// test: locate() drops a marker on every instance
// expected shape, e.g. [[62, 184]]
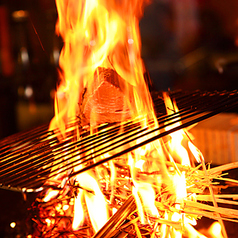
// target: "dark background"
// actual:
[[186, 44]]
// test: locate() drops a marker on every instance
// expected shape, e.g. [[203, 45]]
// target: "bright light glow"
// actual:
[[13, 224], [24, 56], [215, 230], [28, 91], [65, 207], [96, 204], [78, 211], [196, 152], [51, 194], [48, 221], [130, 41]]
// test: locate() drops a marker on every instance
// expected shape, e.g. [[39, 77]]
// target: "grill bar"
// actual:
[[46, 158], [28, 159], [45, 150]]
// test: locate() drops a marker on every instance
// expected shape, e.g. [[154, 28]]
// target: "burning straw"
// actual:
[[138, 182], [55, 217]]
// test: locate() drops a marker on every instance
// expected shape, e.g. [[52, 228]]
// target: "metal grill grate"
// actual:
[[28, 159]]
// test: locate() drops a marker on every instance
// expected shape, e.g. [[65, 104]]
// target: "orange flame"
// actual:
[[99, 34], [101, 37]]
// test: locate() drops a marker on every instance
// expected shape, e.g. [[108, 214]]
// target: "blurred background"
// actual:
[[186, 44]]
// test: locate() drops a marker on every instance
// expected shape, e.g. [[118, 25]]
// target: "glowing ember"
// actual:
[[102, 81]]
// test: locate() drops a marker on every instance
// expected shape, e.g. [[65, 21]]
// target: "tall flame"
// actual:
[[101, 41], [99, 34]]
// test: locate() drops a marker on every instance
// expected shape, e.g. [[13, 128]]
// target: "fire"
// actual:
[[95, 202], [101, 60], [100, 36]]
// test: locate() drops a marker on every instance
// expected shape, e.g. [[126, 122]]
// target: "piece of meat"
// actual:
[[106, 102]]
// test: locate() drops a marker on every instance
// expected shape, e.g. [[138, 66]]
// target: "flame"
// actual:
[[99, 35], [215, 230], [102, 47], [94, 200]]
